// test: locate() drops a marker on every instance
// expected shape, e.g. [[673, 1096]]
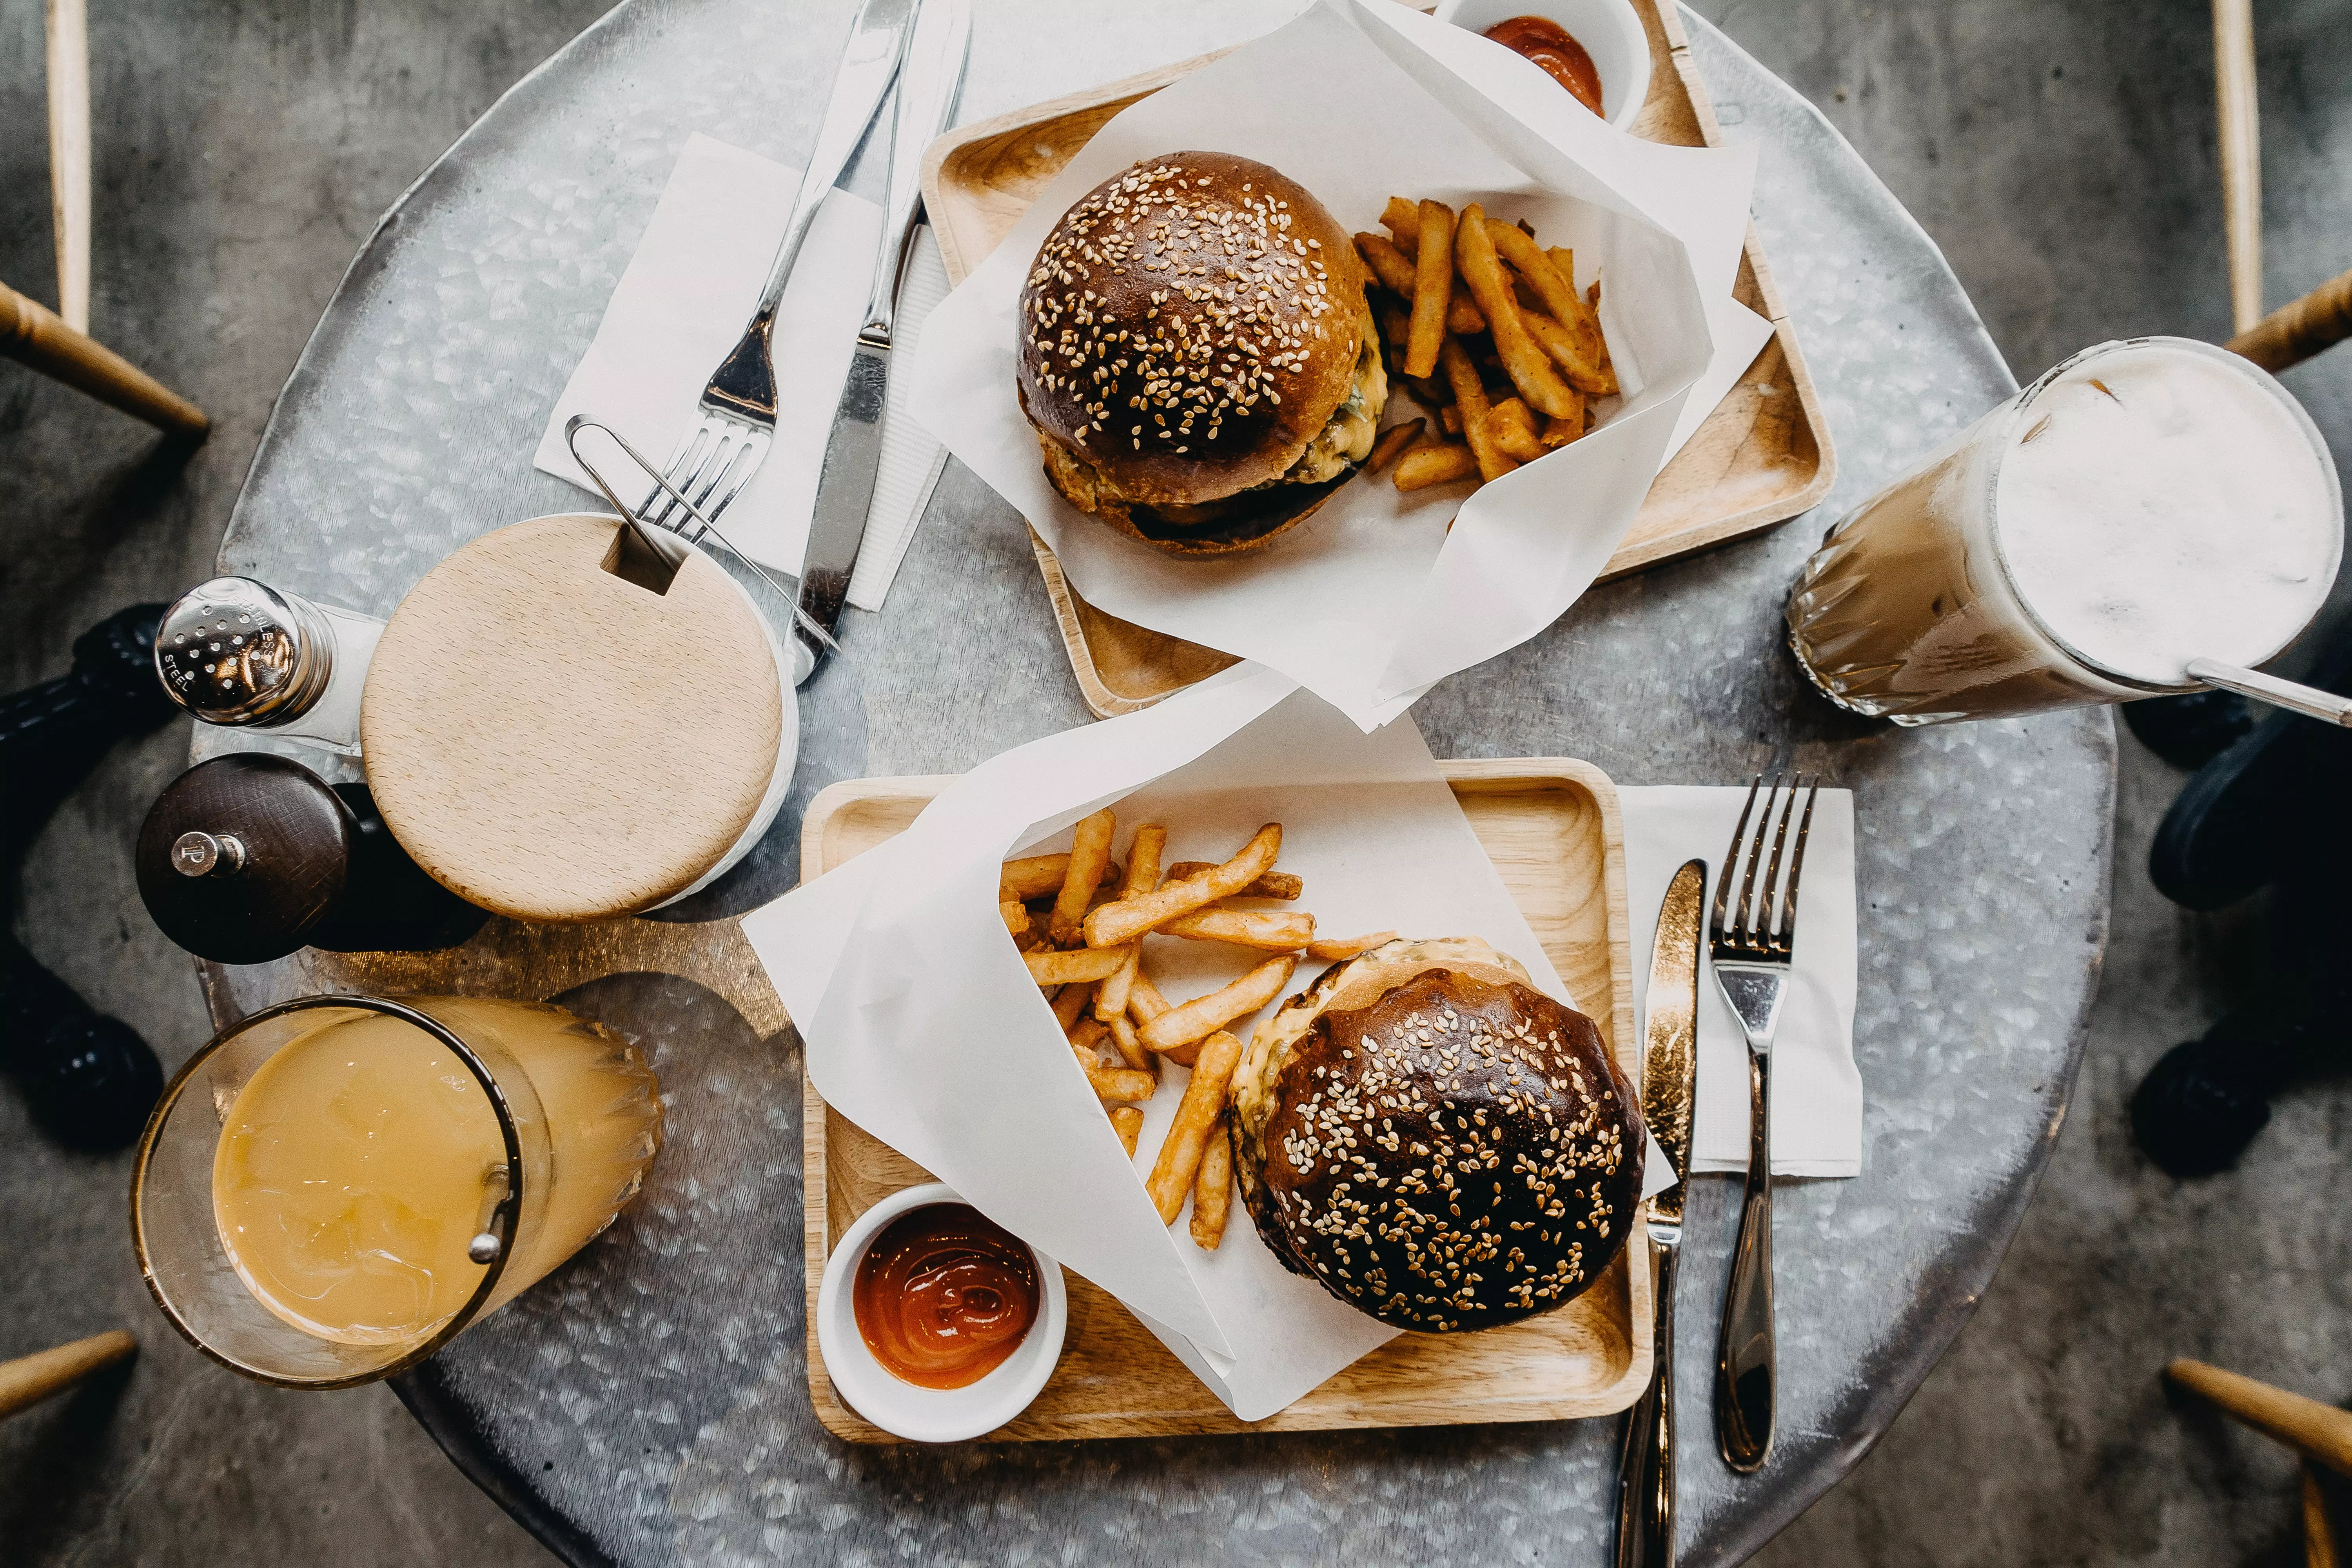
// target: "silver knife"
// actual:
[[928, 78], [1646, 1476]]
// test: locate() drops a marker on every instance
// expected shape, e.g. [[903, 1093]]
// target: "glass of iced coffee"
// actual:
[[2143, 505]]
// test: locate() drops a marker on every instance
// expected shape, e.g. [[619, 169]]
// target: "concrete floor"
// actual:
[[2062, 156]]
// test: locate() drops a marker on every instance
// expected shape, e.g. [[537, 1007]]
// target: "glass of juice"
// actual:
[[2144, 503], [333, 1188]]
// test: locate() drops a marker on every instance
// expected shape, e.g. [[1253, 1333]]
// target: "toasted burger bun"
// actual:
[[1197, 356], [1435, 1142]]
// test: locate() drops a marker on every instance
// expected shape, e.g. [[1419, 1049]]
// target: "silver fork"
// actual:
[[1749, 952], [720, 453]]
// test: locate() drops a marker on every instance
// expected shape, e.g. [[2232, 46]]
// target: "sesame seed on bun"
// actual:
[[1197, 356]]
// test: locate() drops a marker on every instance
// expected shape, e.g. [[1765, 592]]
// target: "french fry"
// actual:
[[1394, 267], [1470, 393], [1109, 1083], [1436, 464], [1022, 880], [1565, 260], [1016, 918], [1128, 1123], [1449, 418], [1394, 440], [1089, 858], [1179, 1161], [1432, 288], [1117, 1083], [1212, 1189], [1084, 963], [1568, 350], [1143, 860], [1069, 1003], [1558, 293], [1391, 267], [1396, 331], [1287, 931], [1337, 949], [1130, 918], [1203, 1015], [1144, 1003], [1403, 219], [1559, 432], [1529, 366], [1110, 999], [1512, 429], [1131, 1050], [1273, 885]]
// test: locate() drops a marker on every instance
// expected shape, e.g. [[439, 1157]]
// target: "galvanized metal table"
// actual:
[[647, 1405]]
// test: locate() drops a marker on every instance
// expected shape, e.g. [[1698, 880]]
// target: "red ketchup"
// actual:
[[944, 1295], [1547, 43]]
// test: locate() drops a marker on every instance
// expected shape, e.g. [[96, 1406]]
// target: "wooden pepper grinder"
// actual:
[[248, 857]]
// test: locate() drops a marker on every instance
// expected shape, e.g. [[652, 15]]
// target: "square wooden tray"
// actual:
[[1550, 825], [1762, 457]]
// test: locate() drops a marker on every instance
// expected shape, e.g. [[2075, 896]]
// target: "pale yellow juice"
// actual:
[[358, 1161]]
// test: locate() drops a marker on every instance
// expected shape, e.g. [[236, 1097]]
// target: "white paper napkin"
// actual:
[[1816, 1089], [922, 1026], [1374, 600], [681, 306]]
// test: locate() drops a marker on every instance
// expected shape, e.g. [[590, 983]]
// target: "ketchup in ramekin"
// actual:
[[944, 1295], [1551, 46]]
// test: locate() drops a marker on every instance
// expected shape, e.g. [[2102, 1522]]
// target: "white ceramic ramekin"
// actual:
[[929, 1414], [1609, 30]]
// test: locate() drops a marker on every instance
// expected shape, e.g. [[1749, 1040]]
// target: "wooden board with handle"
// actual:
[[1763, 455], [1551, 826]]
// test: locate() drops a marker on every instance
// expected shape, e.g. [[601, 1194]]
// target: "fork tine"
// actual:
[[1764, 921], [1716, 927], [1786, 941], [722, 487], [730, 485], [683, 460], [1744, 932], [708, 444]]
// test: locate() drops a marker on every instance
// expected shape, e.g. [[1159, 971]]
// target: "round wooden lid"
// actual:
[[555, 743]]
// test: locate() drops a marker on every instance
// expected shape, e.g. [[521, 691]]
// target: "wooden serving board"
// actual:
[[1762, 456], [1550, 825]]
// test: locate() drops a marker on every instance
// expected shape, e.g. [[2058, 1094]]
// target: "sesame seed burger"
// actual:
[[1435, 1142], [1197, 356]]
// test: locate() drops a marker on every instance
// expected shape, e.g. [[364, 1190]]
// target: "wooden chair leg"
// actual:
[[2241, 156], [32, 333], [2318, 1529], [28, 1380], [2320, 1433], [68, 31], [2293, 334]]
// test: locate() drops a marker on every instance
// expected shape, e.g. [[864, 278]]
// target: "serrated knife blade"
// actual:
[[1645, 1472], [1670, 1032], [929, 77]]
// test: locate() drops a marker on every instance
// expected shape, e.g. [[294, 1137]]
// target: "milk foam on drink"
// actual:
[[2159, 505]]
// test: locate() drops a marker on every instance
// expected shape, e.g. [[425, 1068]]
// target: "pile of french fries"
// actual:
[[1488, 332], [1081, 922]]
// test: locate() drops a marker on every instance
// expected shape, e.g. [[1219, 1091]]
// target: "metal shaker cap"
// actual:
[[235, 651]]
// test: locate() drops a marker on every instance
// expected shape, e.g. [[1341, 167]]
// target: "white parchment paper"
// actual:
[[921, 1025], [1374, 600]]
